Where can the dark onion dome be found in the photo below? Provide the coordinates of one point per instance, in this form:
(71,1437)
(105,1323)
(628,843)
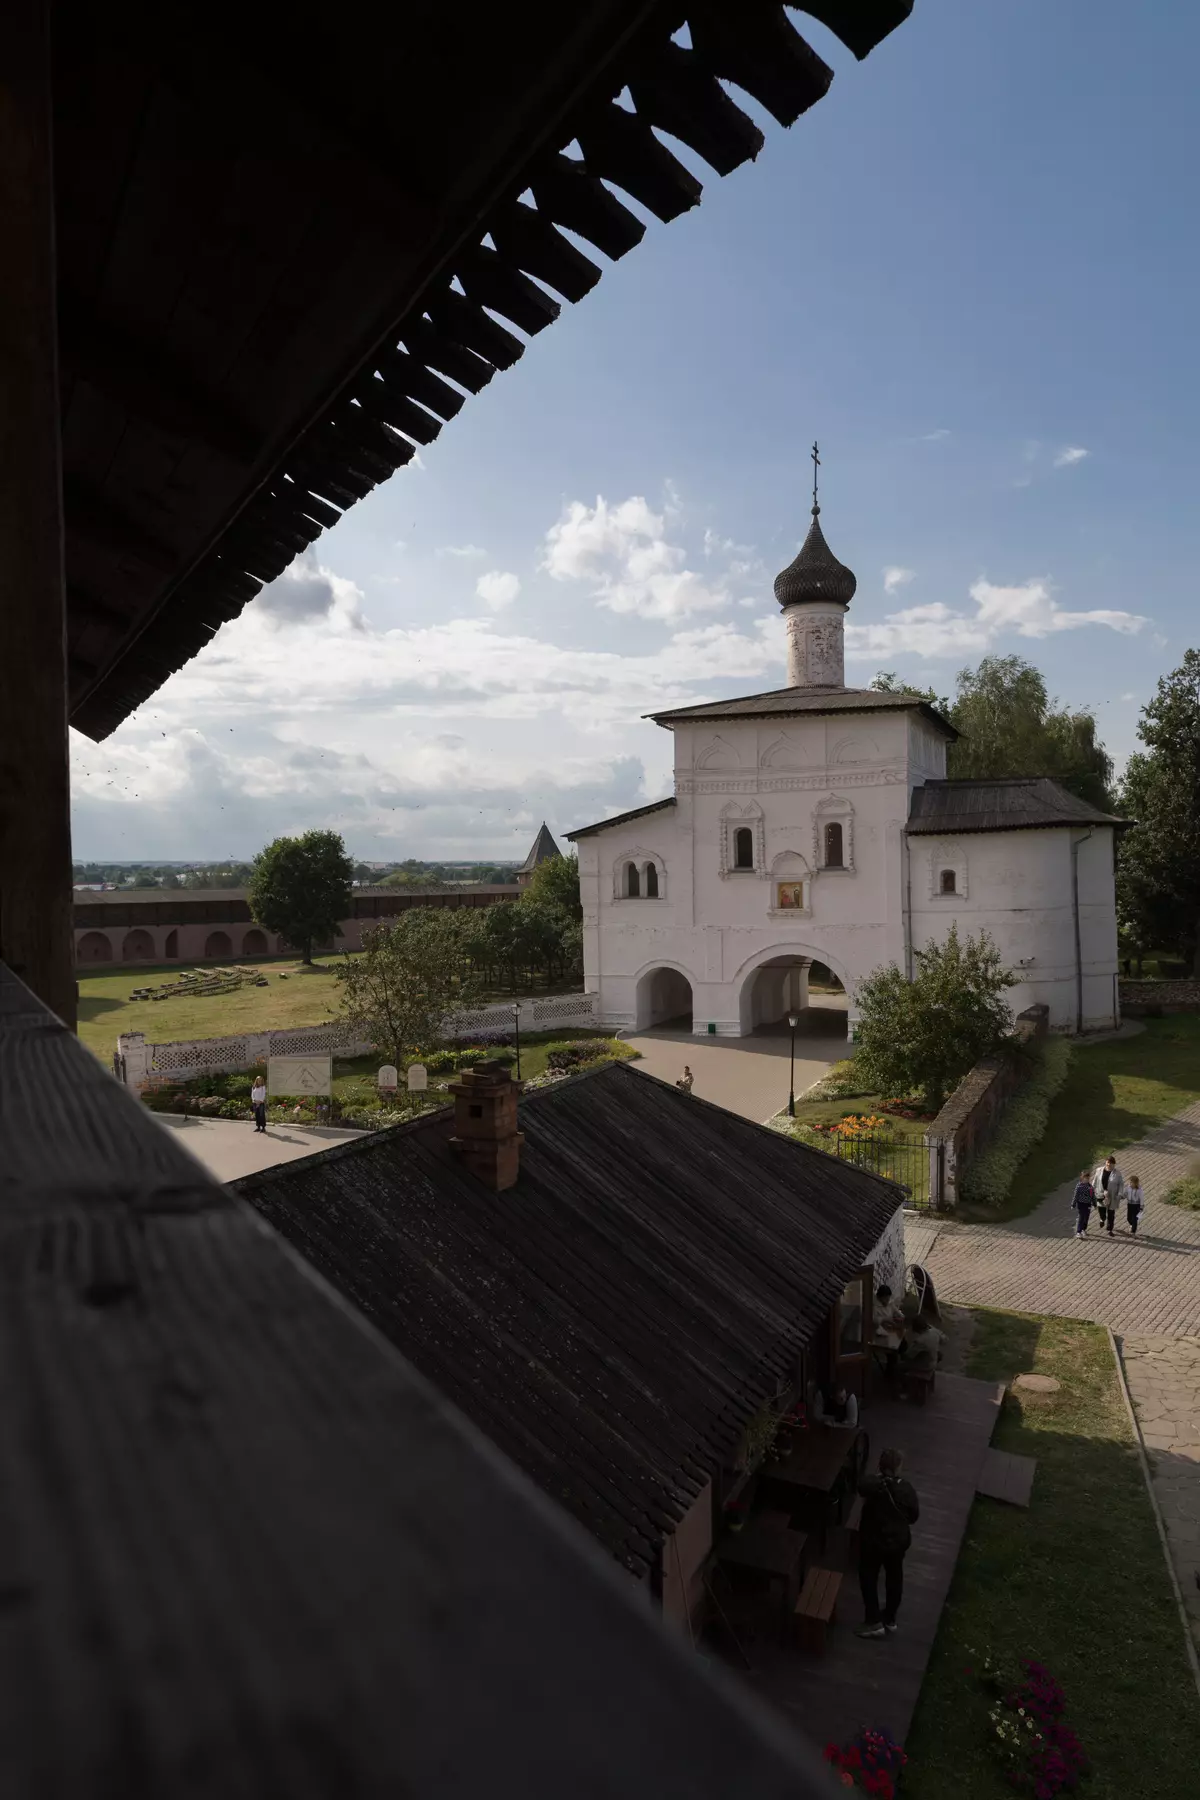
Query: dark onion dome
(816,573)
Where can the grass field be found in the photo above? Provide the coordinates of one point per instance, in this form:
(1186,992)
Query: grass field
(1114,1094)
(309,996)
(1078,1582)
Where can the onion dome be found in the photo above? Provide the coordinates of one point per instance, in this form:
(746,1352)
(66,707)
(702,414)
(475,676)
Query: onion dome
(816,573)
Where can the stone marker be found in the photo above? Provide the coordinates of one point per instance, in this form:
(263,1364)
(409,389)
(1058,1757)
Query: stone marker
(1037,1384)
(418,1078)
(387,1080)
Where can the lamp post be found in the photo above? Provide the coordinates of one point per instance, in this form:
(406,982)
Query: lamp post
(793,1021)
(516,1013)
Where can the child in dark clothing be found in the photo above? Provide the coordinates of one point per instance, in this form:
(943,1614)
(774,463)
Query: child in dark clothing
(1082,1202)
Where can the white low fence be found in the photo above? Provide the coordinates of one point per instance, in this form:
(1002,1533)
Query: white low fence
(138,1063)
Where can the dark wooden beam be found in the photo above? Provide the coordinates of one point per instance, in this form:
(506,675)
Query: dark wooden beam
(91,515)
(35,799)
(145,380)
(247,1550)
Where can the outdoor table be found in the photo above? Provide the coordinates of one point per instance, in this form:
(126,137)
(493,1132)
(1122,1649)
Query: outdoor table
(813,1468)
(763,1548)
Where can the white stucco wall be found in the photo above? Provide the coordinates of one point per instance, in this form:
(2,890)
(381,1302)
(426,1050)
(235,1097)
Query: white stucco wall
(1017,885)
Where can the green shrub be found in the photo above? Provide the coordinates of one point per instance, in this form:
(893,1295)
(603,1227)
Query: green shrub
(843,1082)
(989,1176)
(573,1056)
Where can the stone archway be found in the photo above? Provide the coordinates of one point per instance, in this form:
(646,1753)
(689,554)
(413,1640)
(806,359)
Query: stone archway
(218,945)
(138,946)
(780,981)
(94,947)
(172,944)
(664,997)
(254,943)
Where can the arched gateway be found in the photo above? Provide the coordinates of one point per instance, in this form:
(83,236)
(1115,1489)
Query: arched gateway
(664,997)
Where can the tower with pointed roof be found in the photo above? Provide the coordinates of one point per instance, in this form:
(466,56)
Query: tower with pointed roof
(814,591)
(541,850)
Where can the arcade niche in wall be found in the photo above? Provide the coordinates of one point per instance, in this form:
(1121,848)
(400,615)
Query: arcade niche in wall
(791,886)
(639,875)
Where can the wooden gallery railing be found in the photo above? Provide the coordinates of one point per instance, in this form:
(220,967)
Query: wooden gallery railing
(246,1552)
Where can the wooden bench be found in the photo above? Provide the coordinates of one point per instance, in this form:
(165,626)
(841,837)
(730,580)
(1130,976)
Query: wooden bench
(816,1609)
(918,1384)
(853,1525)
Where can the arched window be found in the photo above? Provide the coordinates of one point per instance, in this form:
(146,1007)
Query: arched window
(833,845)
(949,882)
(651,882)
(632,884)
(743,848)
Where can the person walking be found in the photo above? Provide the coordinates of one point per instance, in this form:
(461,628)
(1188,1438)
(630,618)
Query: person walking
(1135,1203)
(258,1100)
(685,1080)
(1081,1202)
(1108,1184)
(890,1510)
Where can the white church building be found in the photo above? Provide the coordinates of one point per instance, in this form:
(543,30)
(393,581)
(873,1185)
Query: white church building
(816,824)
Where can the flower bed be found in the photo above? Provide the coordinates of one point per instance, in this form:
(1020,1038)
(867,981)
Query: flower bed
(1035,1748)
(870,1762)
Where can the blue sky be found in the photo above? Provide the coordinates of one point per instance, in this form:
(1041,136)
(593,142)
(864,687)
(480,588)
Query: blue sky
(975,260)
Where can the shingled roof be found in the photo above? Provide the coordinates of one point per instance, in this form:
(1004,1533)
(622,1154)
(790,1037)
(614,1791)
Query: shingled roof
(639,812)
(783,702)
(1016,803)
(613,1320)
(543,849)
(281,271)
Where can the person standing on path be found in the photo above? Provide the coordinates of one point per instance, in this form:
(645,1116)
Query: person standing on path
(1135,1203)
(890,1510)
(1081,1202)
(1108,1184)
(685,1080)
(258,1100)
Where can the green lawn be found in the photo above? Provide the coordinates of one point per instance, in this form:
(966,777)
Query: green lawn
(1078,1582)
(1114,1094)
(309,996)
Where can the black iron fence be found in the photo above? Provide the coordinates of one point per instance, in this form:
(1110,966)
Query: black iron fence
(899,1159)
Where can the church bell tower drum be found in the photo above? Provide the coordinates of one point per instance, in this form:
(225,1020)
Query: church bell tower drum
(814,592)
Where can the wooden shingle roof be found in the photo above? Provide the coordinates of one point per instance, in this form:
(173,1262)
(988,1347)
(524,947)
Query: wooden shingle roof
(291,243)
(612,1321)
(782,703)
(1013,803)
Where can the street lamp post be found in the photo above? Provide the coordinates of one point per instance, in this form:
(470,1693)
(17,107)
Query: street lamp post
(516,1013)
(793,1021)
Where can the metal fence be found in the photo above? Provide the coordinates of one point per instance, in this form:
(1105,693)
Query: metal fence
(900,1160)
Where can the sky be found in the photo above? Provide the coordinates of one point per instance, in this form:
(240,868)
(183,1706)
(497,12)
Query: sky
(971,272)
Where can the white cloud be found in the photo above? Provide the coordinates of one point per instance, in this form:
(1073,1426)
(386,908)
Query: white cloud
(464,550)
(623,552)
(1027,609)
(497,589)
(895,578)
(934,437)
(1074,453)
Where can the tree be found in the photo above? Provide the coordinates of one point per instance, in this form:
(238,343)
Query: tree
(1010,727)
(555,884)
(300,887)
(922,1036)
(888,682)
(1158,872)
(410,980)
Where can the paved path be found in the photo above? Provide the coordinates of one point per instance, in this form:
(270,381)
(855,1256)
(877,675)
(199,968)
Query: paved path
(1145,1289)
(749,1075)
(1147,1286)
(1164,1380)
(229,1148)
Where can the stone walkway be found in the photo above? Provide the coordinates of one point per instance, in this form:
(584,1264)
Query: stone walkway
(1145,1289)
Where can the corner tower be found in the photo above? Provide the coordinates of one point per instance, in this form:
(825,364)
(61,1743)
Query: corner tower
(814,592)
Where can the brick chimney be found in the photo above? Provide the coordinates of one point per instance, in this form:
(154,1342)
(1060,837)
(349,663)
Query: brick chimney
(485,1124)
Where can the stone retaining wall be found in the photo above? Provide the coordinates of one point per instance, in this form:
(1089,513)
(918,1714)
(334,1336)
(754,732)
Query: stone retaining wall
(969,1117)
(1150,999)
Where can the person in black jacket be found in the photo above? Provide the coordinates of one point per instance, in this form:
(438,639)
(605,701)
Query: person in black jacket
(890,1510)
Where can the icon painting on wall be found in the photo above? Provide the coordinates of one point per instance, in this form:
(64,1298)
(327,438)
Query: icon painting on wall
(790,896)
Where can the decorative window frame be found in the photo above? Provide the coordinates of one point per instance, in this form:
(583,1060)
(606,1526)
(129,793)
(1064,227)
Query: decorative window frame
(641,857)
(834,809)
(733,815)
(954,858)
(781,875)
